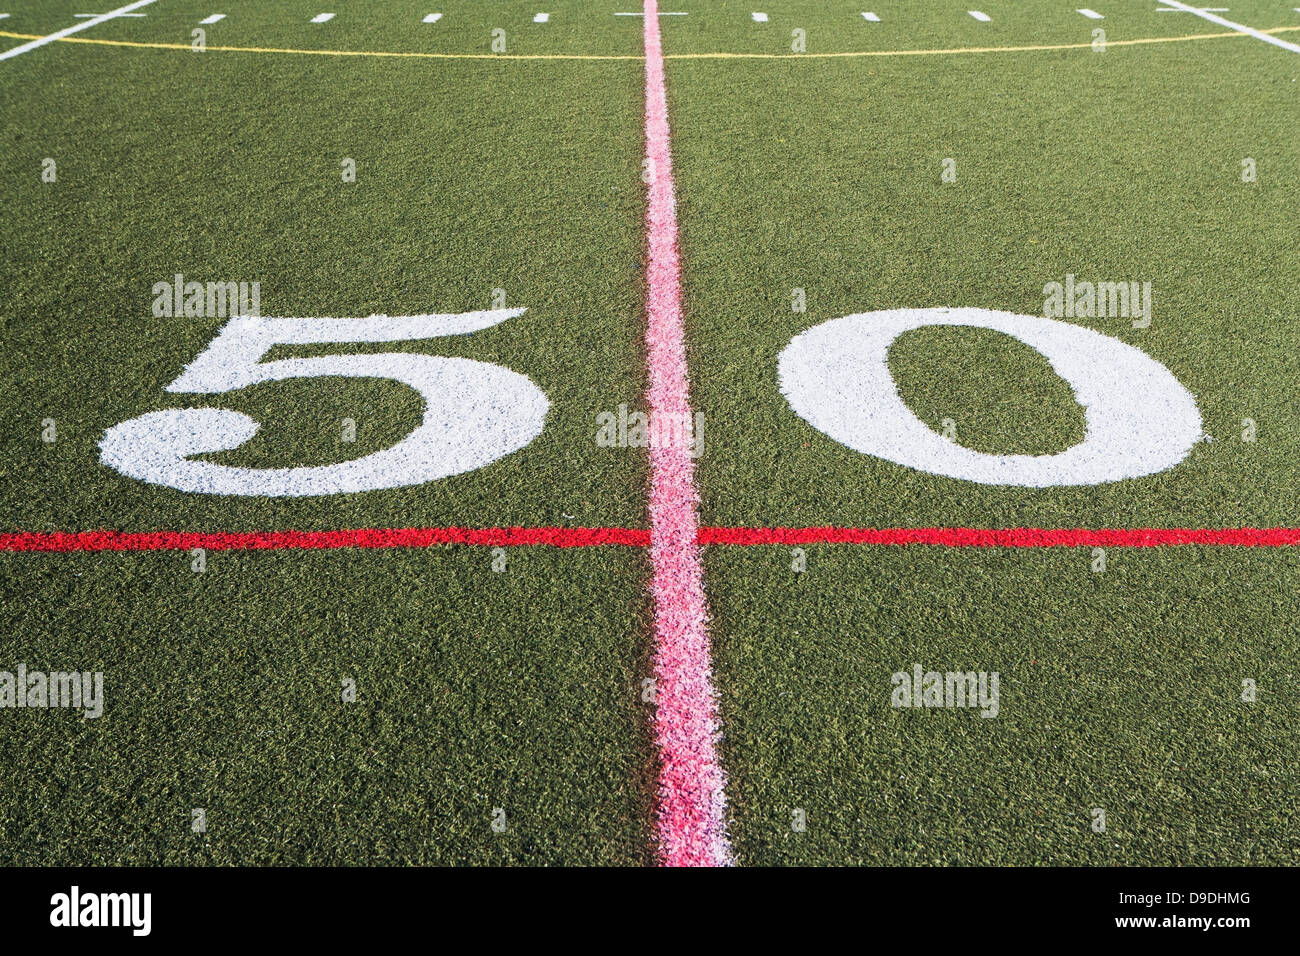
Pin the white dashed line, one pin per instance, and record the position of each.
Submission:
(322, 18)
(871, 16)
(541, 18)
(759, 17)
(981, 17)
(213, 19)
(433, 18)
(1090, 14)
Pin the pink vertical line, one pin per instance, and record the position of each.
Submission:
(692, 799)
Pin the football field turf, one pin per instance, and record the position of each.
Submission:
(444, 607)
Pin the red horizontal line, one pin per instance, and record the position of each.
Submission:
(1008, 537)
(306, 540)
(638, 537)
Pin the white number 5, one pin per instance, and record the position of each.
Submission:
(474, 412)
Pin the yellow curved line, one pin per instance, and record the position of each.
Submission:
(669, 56)
(968, 49)
(268, 49)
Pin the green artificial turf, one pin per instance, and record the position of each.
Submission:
(471, 177)
(1119, 690)
(810, 176)
(521, 689)
(476, 690)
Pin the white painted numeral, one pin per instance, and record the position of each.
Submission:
(1139, 419)
(474, 414)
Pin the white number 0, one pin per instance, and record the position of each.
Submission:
(474, 412)
(1139, 419)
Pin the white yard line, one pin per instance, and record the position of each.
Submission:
(322, 18)
(541, 18)
(215, 18)
(67, 31)
(433, 18)
(759, 17)
(981, 17)
(871, 17)
(1090, 14)
(1249, 31)
(691, 812)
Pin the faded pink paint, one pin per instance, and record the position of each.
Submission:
(692, 799)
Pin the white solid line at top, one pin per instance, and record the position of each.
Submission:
(76, 27)
(213, 19)
(433, 18)
(322, 18)
(759, 17)
(871, 16)
(1090, 14)
(541, 18)
(1249, 31)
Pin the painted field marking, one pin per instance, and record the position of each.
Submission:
(662, 13)
(67, 542)
(556, 537)
(1140, 418)
(759, 17)
(981, 17)
(475, 412)
(850, 54)
(398, 54)
(433, 18)
(215, 18)
(541, 18)
(1010, 537)
(1090, 14)
(322, 18)
(871, 17)
(85, 15)
(691, 806)
(84, 25)
(1248, 31)
(1172, 9)
(4, 16)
